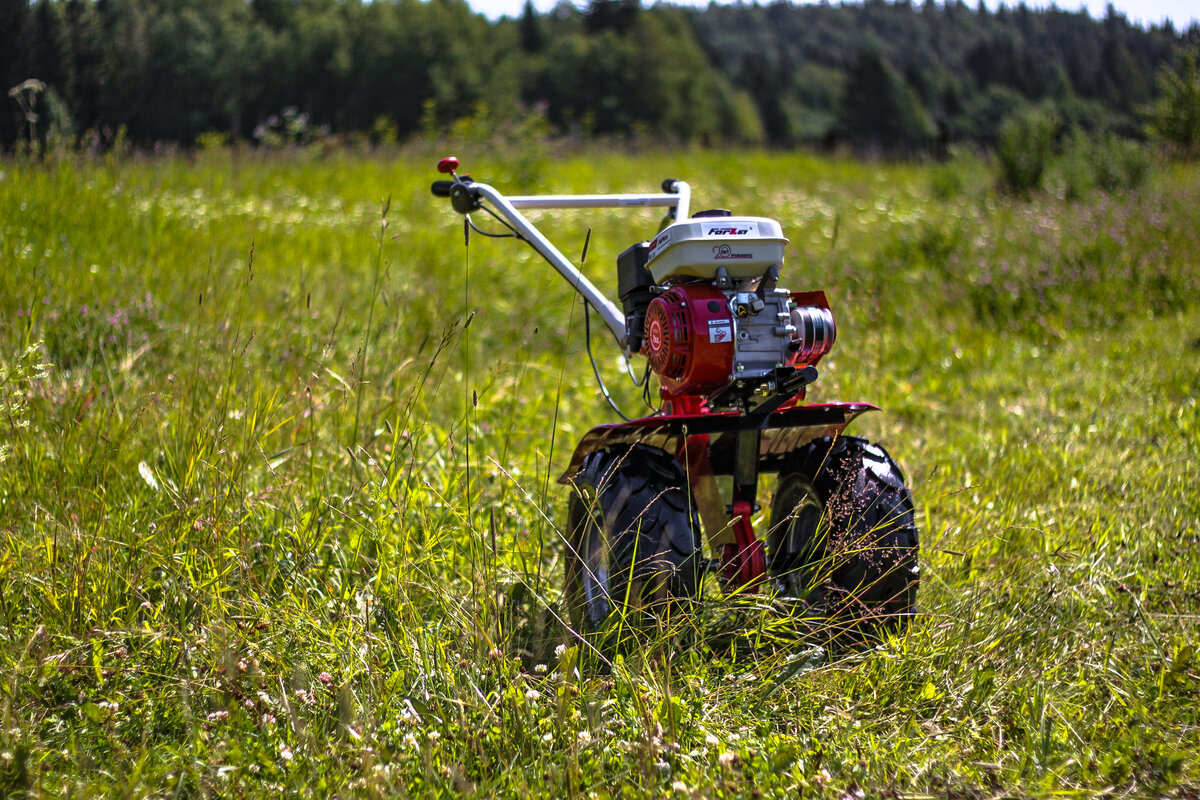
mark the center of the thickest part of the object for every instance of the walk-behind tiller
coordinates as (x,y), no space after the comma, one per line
(734,353)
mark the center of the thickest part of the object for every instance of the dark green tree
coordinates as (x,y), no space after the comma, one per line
(13,14)
(533,37)
(48,46)
(89,66)
(1175,116)
(879,111)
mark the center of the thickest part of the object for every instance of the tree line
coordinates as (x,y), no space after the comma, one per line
(895,77)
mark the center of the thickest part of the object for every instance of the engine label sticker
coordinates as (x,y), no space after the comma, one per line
(730,229)
(655,335)
(720,330)
(660,241)
(725,251)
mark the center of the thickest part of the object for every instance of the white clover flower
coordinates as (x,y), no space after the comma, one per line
(540,669)
(532,695)
(712,741)
(558,651)
(585,737)
(726,759)
(548,738)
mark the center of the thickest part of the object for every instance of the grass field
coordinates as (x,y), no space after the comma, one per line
(265,496)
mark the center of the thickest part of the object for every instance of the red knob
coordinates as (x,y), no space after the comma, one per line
(448,165)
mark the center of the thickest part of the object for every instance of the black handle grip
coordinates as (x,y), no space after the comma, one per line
(668,186)
(441,188)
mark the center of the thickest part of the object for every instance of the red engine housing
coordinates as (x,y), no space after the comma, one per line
(689,338)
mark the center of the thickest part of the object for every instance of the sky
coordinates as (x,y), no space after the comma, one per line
(1182,12)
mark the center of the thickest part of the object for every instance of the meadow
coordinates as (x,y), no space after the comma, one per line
(279,511)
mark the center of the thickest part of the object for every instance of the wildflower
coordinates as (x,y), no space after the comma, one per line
(409,715)
(680,786)
(540,669)
(218,715)
(531,695)
(285,753)
(325,678)
(711,741)
(433,736)
(585,737)
(726,759)
(548,738)
(558,651)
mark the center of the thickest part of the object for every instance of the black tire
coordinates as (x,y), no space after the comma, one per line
(633,536)
(843,535)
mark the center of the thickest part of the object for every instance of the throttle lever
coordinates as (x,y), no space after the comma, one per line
(463,196)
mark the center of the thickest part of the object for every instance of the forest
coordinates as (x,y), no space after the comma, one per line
(892,78)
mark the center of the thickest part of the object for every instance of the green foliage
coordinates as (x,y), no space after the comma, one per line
(16,382)
(974,68)
(280,523)
(212,140)
(1025,148)
(383,132)
(984,114)
(646,75)
(962,175)
(1108,163)
(808,74)
(879,111)
(1175,116)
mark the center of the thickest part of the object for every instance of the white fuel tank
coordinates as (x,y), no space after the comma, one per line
(695,248)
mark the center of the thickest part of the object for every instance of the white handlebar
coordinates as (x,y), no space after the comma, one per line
(507,207)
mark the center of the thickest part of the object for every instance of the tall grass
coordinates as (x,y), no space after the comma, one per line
(238,554)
